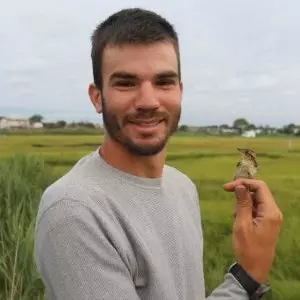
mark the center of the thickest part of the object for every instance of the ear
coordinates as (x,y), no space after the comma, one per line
(181,87)
(181,90)
(95,97)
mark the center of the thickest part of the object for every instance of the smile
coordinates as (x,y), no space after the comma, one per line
(147,123)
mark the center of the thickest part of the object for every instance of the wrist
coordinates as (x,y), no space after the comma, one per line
(255,273)
(254,289)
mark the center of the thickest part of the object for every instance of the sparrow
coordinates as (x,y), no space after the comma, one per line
(247,166)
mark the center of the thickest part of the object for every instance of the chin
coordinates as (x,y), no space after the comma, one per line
(145,148)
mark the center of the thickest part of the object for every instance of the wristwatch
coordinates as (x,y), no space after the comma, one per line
(254,289)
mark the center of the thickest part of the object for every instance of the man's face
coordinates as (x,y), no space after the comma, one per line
(141,95)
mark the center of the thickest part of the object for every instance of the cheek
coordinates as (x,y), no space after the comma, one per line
(172,104)
(119,100)
(117,104)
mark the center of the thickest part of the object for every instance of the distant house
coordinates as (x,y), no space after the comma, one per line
(296,130)
(229,130)
(37,125)
(9,123)
(249,134)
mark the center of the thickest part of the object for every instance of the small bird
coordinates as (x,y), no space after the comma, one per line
(247,166)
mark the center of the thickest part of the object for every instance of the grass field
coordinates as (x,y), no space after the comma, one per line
(29,163)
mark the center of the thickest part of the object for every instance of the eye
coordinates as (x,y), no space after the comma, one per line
(165,82)
(124,83)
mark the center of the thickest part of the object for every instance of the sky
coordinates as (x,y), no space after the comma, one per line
(239,58)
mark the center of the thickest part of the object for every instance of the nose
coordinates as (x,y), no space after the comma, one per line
(147,98)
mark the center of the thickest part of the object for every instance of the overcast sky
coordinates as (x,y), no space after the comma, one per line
(239,58)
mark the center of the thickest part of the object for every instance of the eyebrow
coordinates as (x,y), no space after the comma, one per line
(122,75)
(126,75)
(167,74)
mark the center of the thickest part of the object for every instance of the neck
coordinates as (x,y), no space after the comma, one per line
(142,166)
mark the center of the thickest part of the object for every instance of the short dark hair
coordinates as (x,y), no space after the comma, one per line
(130,26)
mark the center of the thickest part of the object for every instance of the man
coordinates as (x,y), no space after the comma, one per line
(123,225)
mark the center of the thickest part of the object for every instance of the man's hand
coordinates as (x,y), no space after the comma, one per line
(256,226)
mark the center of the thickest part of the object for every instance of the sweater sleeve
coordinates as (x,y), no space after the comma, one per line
(230,289)
(76,259)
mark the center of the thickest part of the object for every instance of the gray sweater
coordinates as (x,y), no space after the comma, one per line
(104,234)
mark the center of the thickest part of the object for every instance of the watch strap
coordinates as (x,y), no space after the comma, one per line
(254,289)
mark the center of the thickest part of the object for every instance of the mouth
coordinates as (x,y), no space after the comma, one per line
(146,127)
(146,123)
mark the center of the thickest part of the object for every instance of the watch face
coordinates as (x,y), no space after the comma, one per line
(260,292)
(263,289)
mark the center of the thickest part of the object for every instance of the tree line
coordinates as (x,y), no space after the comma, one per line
(239,126)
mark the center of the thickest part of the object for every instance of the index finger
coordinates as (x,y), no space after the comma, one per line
(258,187)
(266,205)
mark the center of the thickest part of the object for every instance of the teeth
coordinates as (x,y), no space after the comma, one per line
(147,124)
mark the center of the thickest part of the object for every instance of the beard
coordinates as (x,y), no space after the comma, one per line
(114,130)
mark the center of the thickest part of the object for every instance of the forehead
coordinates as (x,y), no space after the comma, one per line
(141,60)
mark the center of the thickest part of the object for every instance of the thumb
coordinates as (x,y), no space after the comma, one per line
(244,204)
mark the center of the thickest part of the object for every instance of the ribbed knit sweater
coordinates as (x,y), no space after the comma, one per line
(105,234)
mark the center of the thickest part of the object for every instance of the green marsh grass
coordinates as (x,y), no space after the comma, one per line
(22,180)
(30,163)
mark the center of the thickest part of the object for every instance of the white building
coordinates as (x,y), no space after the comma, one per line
(249,134)
(37,125)
(6,122)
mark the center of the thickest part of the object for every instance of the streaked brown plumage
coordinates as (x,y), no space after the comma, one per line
(247,166)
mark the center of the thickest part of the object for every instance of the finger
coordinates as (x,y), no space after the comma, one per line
(254,207)
(254,214)
(244,205)
(264,201)
(257,187)
(253,184)
(254,200)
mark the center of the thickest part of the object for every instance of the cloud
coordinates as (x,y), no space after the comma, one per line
(239,58)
